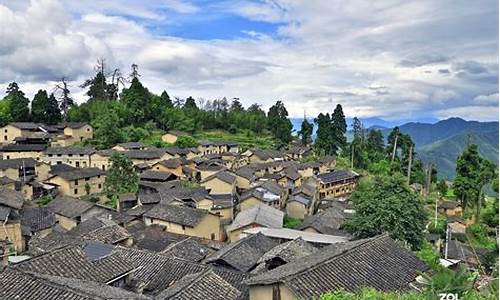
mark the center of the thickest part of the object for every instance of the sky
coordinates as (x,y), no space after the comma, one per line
(413,60)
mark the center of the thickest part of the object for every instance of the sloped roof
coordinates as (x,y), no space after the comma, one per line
(188,249)
(72,262)
(157,176)
(329,221)
(69,207)
(11,198)
(243,254)
(30,286)
(100,229)
(171,163)
(38,218)
(177,214)
(150,153)
(378,262)
(69,150)
(80,173)
(289,251)
(260,214)
(60,168)
(448,204)
(223,176)
(205,285)
(245,172)
(336,176)
(132,145)
(23,147)
(17,163)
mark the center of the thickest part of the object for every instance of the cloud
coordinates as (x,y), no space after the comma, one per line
(485,113)
(409,59)
(487,99)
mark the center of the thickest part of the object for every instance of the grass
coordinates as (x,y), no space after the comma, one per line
(289,222)
(245,138)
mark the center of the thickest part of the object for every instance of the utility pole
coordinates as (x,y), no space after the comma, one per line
(436,214)
(352,156)
(410,156)
(446,242)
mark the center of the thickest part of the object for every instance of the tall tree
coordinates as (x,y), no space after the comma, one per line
(53,112)
(65,100)
(120,177)
(165,98)
(19,104)
(339,128)
(279,124)
(324,142)
(305,133)
(190,104)
(137,100)
(375,145)
(107,132)
(358,144)
(387,204)
(39,106)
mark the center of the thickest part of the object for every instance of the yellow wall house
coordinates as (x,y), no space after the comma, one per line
(450,208)
(77,157)
(220,183)
(79,182)
(15,130)
(260,215)
(172,136)
(69,211)
(11,202)
(130,146)
(13,151)
(173,165)
(185,220)
(337,183)
(18,169)
(73,132)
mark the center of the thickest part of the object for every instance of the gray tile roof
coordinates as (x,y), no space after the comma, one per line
(243,254)
(132,145)
(37,218)
(157,176)
(31,286)
(100,229)
(189,249)
(263,215)
(171,163)
(72,262)
(23,148)
(448,204)
(60,168)
(26,125)
(379,262)
(80,173)
(38,244)
(206,285)
(151,153)
(329,221)
(337,176)
(223,175)
(177,214)
(73,125)
(69,207)
(11,198)
(245,172)
(286,252)
(17,163)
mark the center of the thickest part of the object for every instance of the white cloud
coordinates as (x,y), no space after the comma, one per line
(386,59)
(485,113)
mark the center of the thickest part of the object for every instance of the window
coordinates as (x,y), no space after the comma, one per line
(99,185)
(76,182)
(58,155)
(4,137)
(81,155)
(5,131)
(59,162)
(8,156)
(212,236)
(76,191)
(70,155)
(183,227)
(87,178)
(99,176)
(77,164)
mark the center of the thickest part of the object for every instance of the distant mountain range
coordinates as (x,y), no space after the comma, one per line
(440,142)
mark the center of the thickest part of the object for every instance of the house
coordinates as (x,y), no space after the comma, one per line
(130,146)
(297,152)
(217,147)
(101,159)
(259,215)
(13,151)
(78,157)
(7,183)
(173,165)
(72,132)
(268,192)
(172,135)
(104,230)
(223,206)
(282,235)
(329,221)
(148,156)
(327,163)
(242,255)
(244,177)
(188,248)
(185,220)
(126,201)
(379,263)
(79,182)
(70,211)
(220,183)
(337,183)
(209,168)
(14,130)
(450,208)
(11,203)
(19,169)
(473,257)
(37,220)
(263,156)
(301,202)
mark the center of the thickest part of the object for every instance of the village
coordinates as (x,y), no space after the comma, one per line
(208,222)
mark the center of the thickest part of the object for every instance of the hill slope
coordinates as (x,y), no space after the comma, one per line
(444,152)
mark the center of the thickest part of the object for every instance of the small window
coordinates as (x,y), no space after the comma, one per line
(4,137)
(87,178)
(76,182)
(58,155)
(50,155)
(8,156)
(77,164)
(99,185)
(99,176)
(81,155)
(88,129)
(76,191)
(212,236)
(5,130)
(70,155)
(183,227)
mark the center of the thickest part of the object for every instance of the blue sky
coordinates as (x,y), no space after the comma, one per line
(412,60)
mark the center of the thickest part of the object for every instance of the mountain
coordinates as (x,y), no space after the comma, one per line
(425,133)
(444,152)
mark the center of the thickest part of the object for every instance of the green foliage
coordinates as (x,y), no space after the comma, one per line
(289,222)
(44,200)
(339,128)
(442,187)
(278,123)
(305,132)
(98,88)
(429,255)
(107,132)
(478,235)
(137,100)
(387,204)
(245,138)
(18,103)
(489,215)
(120,177)
(186,142)
(5,116)
(45,109)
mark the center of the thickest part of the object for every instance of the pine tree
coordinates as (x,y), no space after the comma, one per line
(166,99)
(53,113)
(305,133)
(98,88)
(137,99)
(39,106)
(339,128)
(323,144)
(279,124)
(19,104)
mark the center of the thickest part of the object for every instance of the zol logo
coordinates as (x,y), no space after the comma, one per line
(448,296)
